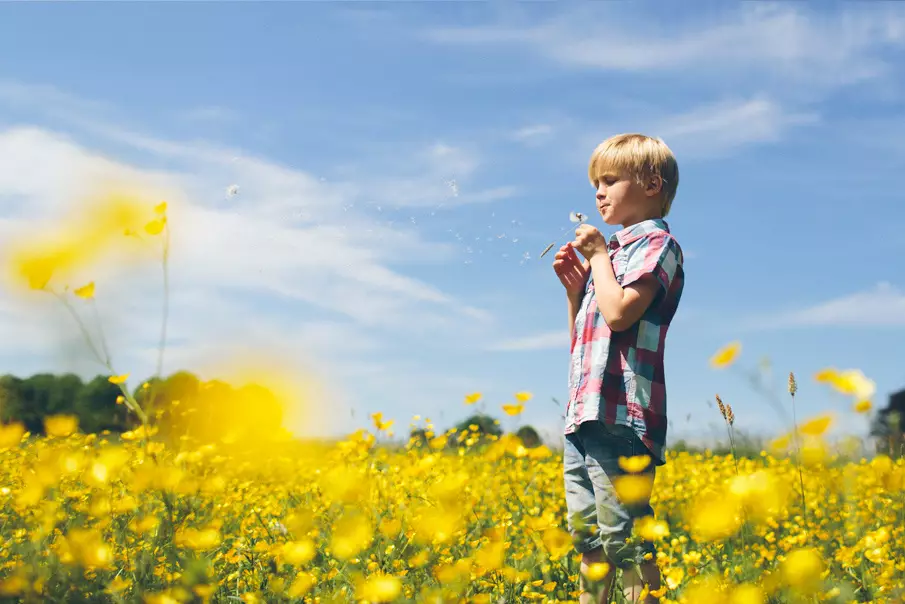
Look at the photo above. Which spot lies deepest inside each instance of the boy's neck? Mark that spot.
(640, 219)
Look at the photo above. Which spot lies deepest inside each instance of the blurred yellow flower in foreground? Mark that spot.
(86, 291)
(635, 464)
(726, 356)
(816, 426)
(380, 588)
(61, 425)
(851, 382)
(471, 399)
(79, 239)
(802, 570)
(513, 410)
(11, 434)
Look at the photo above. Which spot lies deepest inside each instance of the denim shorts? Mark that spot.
(597, 518)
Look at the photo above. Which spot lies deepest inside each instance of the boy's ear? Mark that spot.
(654, 185)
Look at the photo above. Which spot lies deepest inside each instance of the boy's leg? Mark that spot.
(633, 582)
(581, 508)
(603, 445)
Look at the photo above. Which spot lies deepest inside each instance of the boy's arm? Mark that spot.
(652, 264)
(621, 307)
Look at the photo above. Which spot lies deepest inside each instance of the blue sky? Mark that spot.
(346, 250)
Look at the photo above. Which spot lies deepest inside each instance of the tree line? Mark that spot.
(180, 403)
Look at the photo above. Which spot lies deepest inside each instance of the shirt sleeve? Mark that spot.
(657, 254)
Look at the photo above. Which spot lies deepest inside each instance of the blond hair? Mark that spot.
(641, 156)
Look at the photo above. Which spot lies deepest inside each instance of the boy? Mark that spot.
(621, 300)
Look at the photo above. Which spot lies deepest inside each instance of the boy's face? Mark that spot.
(622, 200)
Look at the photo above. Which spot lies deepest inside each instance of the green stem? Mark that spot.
(166, 299)
(804, 504)
(100, 331)
(85, 333)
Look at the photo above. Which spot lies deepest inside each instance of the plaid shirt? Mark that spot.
(618, 377)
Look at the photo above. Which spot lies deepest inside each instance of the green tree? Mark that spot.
(97, 408)
(529, 437)
(12, 404)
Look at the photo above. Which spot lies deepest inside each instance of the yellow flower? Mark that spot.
(597, 571)
(491, 556)
(726, 356)
(557, 541)
(674, 577)
(197, 539)
(118, 379)
(302, 585)
(160, 208)
(471, 399)
(802, 570)
(297, 553)
(11, 434)
(513, 410)
(380, 588)
(635, 464)
(747, 594)
(155, 227)
(60, 425)
(651, 529)
(816, 426)
(351, 534)
(863, 406)
(633, 488)
(714, 517)
(86, 291)
(523, 397)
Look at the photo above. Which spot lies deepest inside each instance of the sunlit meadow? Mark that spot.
(187, 509)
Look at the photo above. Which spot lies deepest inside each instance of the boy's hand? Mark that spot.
(572, 272)
(589, 241)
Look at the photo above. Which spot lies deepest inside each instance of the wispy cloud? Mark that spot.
(209, 114)
(722, 126)
(543, 341)
(532, 134)
(309, 259)
(882, 306)
(785, 40)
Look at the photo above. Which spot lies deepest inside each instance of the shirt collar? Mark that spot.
(636, 231)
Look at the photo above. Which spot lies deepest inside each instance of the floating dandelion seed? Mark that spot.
(575, 218)
(453, 187)
(232, 190)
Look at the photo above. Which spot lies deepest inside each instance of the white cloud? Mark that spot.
(728, 124)
(209, 114)
(533, 133)
(293, 264)
(883, 306)
(781, 39)
(548, 340)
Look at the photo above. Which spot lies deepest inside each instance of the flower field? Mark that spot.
(86, 519)
(183, 509)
